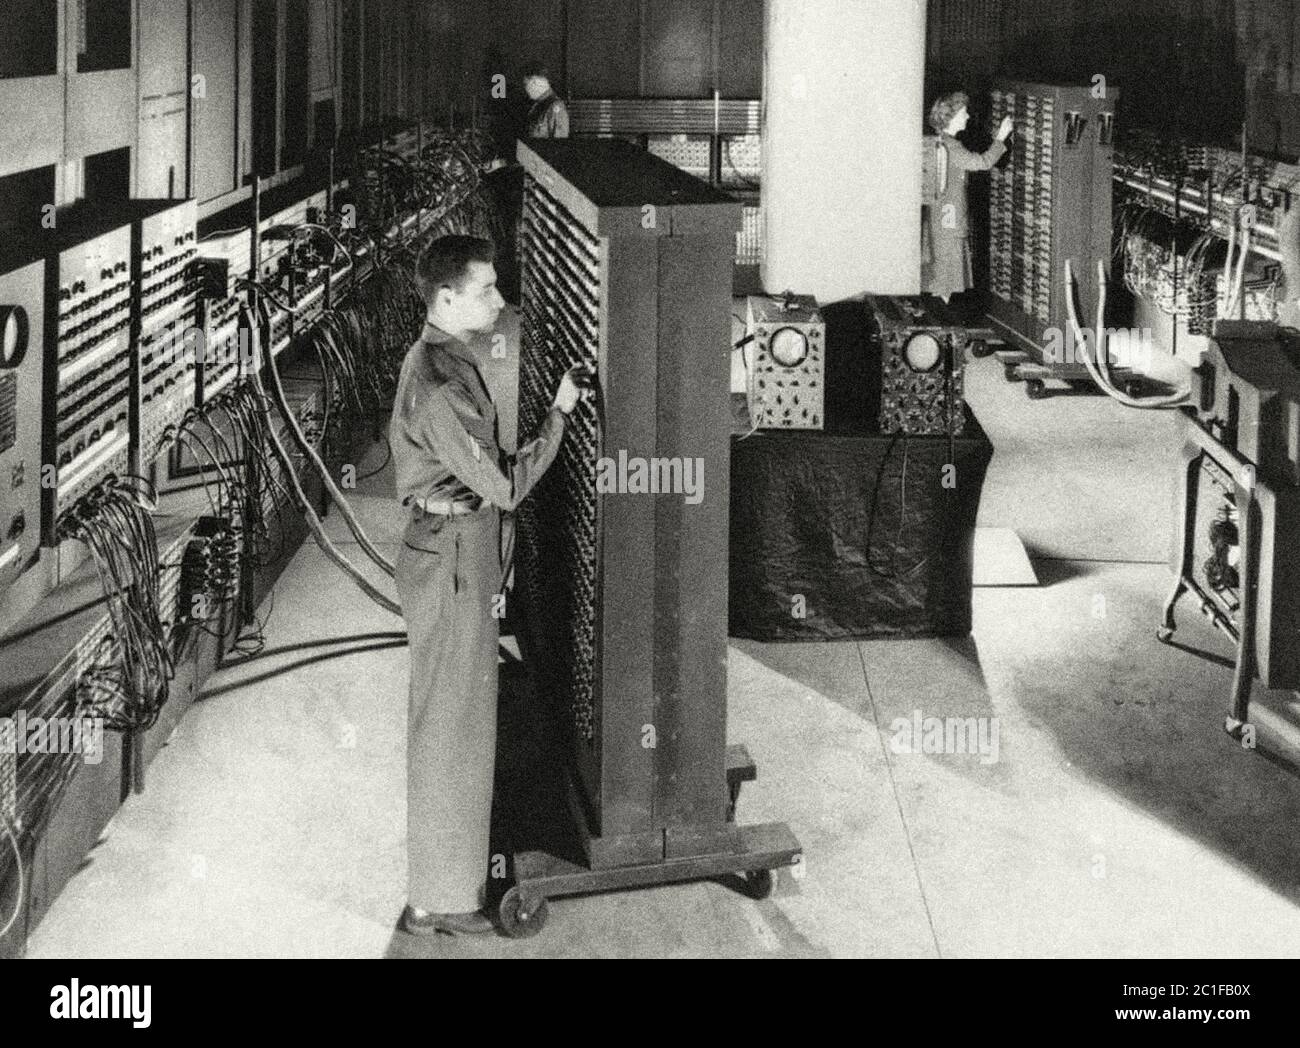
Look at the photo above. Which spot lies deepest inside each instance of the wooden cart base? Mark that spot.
(759, 851)
(1022, 361)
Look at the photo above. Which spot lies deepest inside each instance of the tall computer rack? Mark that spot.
(1050, 202)
(628, 269)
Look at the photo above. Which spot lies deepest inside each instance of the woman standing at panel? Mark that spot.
(950, 267)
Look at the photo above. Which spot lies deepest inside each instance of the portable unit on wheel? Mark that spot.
(1239, 510)
(1050, 203)
(627, 269)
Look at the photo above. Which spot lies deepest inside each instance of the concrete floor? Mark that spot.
(1119, 820)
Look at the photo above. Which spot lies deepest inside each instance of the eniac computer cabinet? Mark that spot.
(1050, 201)
(627, 267)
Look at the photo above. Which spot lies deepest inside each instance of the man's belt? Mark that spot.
(446, 507)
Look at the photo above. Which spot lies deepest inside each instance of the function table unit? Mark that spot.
(627, 268)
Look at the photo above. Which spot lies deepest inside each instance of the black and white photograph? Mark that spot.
(651, 479)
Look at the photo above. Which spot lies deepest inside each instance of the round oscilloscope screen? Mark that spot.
(923, 352)
(13, 335)
(789, 347)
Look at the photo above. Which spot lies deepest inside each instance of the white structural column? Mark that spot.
(843, 94)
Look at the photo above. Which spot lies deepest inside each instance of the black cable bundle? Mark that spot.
(248, 478)
(370, 334)
(456, 160)
(445, 178)
(299, 496)
(396, 316)
(338, 345)
(210, 575)
(130, 686)
(385, 182)
(264, 492)
(249, 414)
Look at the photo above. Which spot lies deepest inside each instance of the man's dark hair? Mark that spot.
(445, 262)
(536, 69)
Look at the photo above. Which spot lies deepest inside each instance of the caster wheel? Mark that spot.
(1164, 634)
(979, 349)
(1011, 373)
(1036, 389)
(759, 884)
(522, 916)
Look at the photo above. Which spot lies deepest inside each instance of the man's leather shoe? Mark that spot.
(475, 923)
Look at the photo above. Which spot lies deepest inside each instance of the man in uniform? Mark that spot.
(455, 482)
(548, 117)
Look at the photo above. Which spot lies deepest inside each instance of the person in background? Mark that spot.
(951, 270)
(548, 117)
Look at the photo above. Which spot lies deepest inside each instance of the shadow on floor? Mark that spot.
(1051, 570)
(892, 679)
(1158, 742)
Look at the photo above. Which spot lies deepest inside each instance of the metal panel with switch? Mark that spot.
(21, 336)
